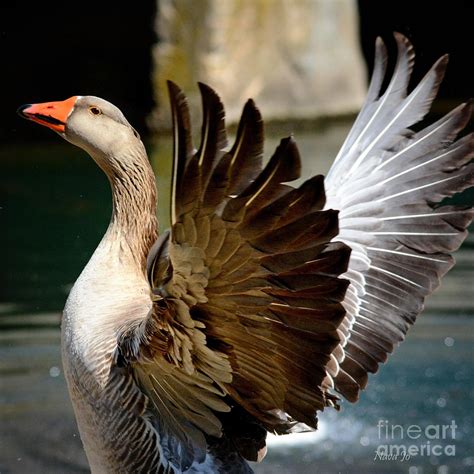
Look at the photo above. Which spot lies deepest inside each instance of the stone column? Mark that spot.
(295, 58)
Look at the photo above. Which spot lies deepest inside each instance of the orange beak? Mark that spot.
(51, 114)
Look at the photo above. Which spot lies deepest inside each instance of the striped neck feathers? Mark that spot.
(133, 184)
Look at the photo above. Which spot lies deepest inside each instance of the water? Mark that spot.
(55, 210)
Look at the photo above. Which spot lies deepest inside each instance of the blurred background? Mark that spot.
(306, 63)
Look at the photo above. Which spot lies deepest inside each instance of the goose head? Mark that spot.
(89, 122)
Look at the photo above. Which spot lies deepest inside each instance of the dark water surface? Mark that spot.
(55, 206)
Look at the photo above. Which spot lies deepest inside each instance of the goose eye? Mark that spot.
(95, 110)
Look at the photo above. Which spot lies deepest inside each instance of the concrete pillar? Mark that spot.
(295, 58)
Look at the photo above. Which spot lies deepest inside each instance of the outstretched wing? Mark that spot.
(387, 183)
(247, 295)
(251, 315)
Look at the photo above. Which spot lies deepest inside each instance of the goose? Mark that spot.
(264, 303)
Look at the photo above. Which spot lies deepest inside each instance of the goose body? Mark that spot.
(263, 302)
(88, 336)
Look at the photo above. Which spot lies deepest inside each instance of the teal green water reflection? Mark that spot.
(55, 207)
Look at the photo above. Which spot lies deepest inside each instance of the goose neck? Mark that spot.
(134, 223)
